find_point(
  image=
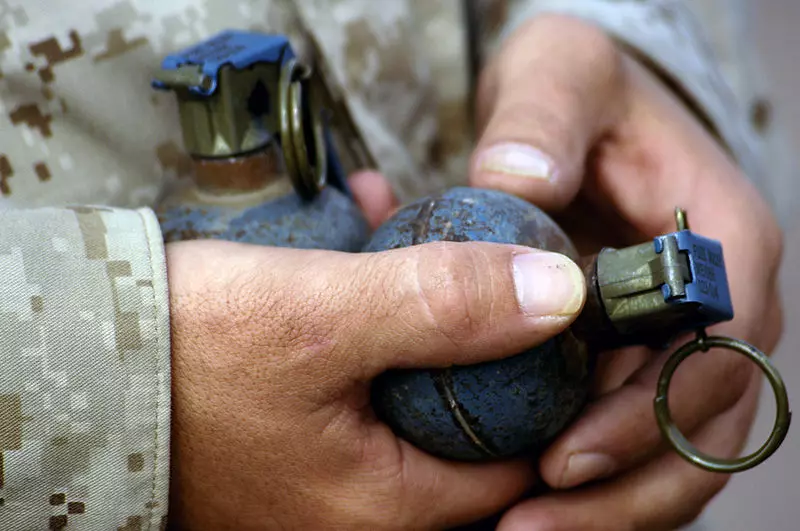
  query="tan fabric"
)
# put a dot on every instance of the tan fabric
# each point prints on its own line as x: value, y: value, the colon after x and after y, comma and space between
x: 84, y: 402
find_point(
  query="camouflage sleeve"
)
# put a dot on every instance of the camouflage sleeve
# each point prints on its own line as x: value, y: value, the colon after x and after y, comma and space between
x: 682, y: 44
x: 85, y: 387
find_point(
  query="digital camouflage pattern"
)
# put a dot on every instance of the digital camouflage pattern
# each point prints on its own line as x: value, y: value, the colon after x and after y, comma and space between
x: 84, y: 337
x: 85, y: 390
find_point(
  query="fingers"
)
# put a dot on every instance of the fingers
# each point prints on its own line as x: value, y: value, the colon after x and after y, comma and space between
x: 620, y: 431
x: 555, y: 88
x: 374, y: 195
x: 357, y: 315
x: 664, y: 495
x: 446, y: 494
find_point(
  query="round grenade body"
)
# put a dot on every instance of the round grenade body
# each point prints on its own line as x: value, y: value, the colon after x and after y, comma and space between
x: 275, y: 216
x: 497, y: 409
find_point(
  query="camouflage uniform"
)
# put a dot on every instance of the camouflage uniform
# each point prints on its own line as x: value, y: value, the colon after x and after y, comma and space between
x: 84, y: 316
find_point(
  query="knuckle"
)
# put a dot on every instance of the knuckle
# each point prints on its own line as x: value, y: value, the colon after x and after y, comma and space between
x: 449, y: 291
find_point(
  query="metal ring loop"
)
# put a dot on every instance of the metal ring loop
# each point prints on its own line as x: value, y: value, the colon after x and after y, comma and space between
x: 308, y: 178
x: 677, y: 440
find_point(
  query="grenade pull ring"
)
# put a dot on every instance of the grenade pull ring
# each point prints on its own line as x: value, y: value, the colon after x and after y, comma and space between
x: 301, y: 130
x: 704, y: 343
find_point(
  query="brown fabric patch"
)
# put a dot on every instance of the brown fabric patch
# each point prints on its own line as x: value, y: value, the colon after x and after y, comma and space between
x: 37, y: 304
x: 116, y: 45
x: 31, y: 116
x: 76, y: 508
x: 58, y: 499
x: 6, y: 172
x: 135, y: 463
x: 127, y: 331
x: 10, y: 422
x: 395, y: 63
x: 42, y: 171
x: 134, y: 524
x: 144, y: 283
x: 51, y: 50
x: 58, y: 522
x: 119, y: 268
x: 93, y: 229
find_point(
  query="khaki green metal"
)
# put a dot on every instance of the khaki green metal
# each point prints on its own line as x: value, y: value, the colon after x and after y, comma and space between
x: 235, y: 119
x: 630, y: 282
x: 679, y: 442
x: 239, y: 118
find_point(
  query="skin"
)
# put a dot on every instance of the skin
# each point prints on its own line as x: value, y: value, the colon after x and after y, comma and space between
x: 273, y: 351
x: 624, y: 152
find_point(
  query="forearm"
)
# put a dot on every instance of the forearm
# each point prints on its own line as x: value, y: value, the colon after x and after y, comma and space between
x: 85, y: 388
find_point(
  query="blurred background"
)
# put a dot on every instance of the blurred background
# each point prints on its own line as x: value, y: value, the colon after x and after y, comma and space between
x: 768, y: 497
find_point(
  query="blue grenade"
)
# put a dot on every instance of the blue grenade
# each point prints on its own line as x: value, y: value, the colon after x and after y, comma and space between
x: 647, y: 294
x: 265, y: 166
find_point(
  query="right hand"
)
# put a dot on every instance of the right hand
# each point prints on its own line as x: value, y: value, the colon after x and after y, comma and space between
x: 273, y: 352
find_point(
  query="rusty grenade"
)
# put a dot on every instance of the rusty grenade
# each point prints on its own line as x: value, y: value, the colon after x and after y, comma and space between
x: 265, y: 168
x: 267, y: 171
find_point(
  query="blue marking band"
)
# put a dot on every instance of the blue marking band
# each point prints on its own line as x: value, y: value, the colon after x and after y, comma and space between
x: 709, y: 287
x: 238, y: 48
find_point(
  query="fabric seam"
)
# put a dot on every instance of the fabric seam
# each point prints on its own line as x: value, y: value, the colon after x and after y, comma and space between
x: 159, y: 375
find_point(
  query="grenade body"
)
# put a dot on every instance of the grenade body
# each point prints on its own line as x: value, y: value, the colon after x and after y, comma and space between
x: 275, y: 216
x: 497, y: 409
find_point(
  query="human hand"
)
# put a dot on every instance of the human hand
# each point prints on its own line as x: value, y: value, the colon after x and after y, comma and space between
x: 579, y: 127
x: 273, y: 353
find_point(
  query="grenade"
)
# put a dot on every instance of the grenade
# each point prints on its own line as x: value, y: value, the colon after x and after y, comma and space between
x: 647, y: 294
x: 265, y: 167
x: 267, y: 171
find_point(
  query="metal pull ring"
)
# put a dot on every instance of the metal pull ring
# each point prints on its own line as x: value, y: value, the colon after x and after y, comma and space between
x: 306, y: 164
x: 677, y: 440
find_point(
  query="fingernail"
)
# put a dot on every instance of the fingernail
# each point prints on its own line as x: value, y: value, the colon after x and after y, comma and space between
x: 548, y: 284
x: 516, y: 159
x: 585, y: 467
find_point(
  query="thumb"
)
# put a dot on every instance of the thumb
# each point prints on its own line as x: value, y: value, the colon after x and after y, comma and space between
x: 554, y: 88
x: 431, y: 305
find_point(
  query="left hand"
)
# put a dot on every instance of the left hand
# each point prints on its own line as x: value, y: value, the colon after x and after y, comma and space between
x: 572, y: 123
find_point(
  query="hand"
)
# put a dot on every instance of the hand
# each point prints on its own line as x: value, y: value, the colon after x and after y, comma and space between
x: 273, y: 353
x: 577, y: 126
